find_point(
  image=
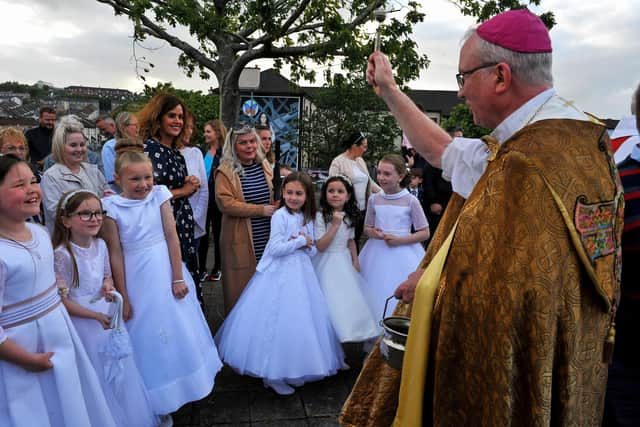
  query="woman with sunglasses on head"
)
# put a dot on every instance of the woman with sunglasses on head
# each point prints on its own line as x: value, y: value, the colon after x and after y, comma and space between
x: 352, y: 165
x: 71, y: 171
x: 244, y: 194
x: 161, y: 128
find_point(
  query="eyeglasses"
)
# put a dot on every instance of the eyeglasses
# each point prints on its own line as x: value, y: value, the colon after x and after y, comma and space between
x: 88, y: 215
x: 462, y: 74
x: 11, y: 148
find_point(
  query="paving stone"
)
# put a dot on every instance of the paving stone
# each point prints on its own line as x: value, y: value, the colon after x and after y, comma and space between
x: 265, y: 405
x: 231, y: 407
x: 184, y: 416
x: 324, y: 398
x: 282, y: 423
x: 228, y: 380
x: 323, y: 422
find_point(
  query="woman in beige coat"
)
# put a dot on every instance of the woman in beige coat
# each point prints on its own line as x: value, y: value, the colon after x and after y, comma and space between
x: 244, y: 194
x: 351, y: 165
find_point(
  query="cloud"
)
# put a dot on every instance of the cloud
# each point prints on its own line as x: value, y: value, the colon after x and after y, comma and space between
x: 81, y: 42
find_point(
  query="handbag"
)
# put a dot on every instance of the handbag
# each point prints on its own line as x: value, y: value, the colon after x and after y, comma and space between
x: 117, y: 346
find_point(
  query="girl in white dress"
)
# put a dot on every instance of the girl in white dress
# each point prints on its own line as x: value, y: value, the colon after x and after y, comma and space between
x: 46, y: 377
x: 280, y: 330
x: 336, y: 263
x: 392, y: 251
x: 172, y: 344
x: 83, y: 274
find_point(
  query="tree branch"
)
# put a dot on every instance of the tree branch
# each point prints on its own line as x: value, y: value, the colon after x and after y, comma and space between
x: 304, y: 28
x: 294, y: 16
x: 156, y: 30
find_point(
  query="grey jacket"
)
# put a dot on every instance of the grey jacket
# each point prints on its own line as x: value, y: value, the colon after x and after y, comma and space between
x: 59, y: 179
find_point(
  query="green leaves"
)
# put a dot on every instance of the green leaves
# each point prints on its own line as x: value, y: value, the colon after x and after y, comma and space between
x: 345, y: 105
x: 461, y: 117
x: 485, y: 9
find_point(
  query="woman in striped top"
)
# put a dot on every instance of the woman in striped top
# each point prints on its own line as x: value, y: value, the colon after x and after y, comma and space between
x: 244, y: 194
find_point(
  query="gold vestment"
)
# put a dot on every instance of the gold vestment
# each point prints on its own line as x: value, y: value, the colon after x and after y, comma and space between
x: 519, y: 327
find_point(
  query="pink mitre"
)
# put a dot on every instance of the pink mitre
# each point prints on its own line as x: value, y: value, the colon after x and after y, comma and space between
x: 517, y: 30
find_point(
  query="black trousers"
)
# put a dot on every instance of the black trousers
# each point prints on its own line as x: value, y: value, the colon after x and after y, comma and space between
x: 212, y: 225
x: 359, y: 229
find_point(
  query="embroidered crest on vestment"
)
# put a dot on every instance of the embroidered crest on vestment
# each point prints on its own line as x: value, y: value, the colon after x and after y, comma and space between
x: 595, y: 223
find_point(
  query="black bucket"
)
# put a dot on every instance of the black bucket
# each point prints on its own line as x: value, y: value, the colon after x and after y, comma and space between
x: 394, y: 338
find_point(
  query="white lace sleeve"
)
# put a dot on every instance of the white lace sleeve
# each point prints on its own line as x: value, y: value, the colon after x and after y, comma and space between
x: 63, y: 268
x: 105, y: 254
x: 418, y: 217
x: 370, y: 217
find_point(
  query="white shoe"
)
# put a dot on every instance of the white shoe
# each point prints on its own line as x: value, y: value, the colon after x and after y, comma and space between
x: 166, y: 421
x: 279, y: 387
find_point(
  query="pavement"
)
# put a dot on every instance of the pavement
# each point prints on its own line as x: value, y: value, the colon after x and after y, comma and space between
x: 239, y: 400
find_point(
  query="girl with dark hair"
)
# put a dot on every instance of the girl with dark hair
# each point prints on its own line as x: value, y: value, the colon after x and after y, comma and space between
x: 392, y: 251
x: 352, y: 165
x: 336, y: 263
x: 45, y: 373
x: 280, y: 330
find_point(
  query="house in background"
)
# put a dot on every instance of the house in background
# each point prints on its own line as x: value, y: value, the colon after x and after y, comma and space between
x: 281, y: 103
x: 437, y: 104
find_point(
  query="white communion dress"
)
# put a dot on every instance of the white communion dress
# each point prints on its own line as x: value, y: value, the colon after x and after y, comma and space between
x: 32, y: 316
x: 172, y: 344
x: 384, y: 267
x: 342, y: 286
x: 126, y: 394
x: 280, y: 329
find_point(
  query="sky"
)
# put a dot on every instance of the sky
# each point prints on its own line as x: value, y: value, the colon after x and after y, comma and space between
x: 596, y: 43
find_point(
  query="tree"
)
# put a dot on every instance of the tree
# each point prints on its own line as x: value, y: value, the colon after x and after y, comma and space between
x: 343, y: 106
x: 485, y: 9
x: 226, y: 35
x: 461, y: 117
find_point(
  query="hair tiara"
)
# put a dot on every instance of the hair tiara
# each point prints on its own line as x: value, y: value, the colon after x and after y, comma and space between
x: 344, y: 177
x: 68, y: 197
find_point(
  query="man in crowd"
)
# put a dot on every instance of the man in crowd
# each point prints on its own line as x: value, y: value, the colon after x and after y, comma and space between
x: 39, y: 138
x: 516, y: 323
x: 107, y: 127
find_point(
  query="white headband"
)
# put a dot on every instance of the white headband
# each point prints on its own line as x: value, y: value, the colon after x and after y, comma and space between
x: 66, y: 199
x: 346, y: 178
